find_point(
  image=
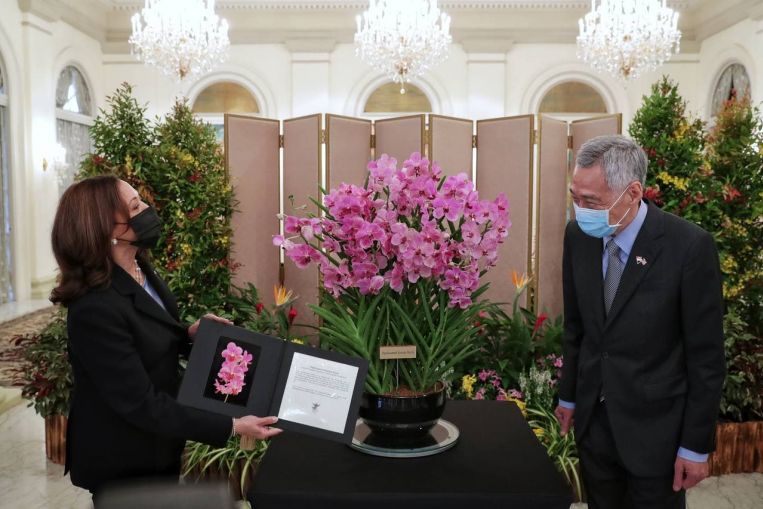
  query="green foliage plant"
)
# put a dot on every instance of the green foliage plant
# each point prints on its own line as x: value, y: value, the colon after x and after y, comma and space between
x: 561, y: 449
x: 511, y: 342
x: 735, y: 154
x: 44, y: 371
x: 177, y: 166
x: 742, y: 397
x: 674, y: 142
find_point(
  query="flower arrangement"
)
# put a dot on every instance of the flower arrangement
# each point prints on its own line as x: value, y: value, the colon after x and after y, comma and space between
x: 511, y: 342
x: 401, y: 259
x: 230, y: 378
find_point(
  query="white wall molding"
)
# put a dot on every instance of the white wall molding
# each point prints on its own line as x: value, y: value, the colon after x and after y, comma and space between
x: 254, y: 83
x: 613, y: 94
x: 732, y: 54
x: 367, y: 85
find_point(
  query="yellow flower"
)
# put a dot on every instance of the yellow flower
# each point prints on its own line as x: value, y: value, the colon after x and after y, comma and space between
x: 298, y: 341
x: 187, y: 249
x: 681, y: 131
x: 520, y: 282
x: 467, y: 385
x: 281, y: 295
x: 521, y: 404
x: 728, y: 264
x: 539, y: 432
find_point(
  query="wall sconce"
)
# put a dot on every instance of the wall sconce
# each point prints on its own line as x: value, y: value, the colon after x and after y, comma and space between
x: 56, y: 157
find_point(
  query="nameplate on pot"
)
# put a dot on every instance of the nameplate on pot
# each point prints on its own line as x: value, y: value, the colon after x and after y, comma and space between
x: 397, y: 352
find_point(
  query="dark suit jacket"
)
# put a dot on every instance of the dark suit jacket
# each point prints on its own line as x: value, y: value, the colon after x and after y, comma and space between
x: 658, y: 355
x: 124, y: 421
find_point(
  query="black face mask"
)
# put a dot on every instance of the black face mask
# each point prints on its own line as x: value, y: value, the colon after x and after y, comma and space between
x: 147, y: 227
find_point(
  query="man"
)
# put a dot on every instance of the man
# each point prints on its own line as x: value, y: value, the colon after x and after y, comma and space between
x: 643, y: 336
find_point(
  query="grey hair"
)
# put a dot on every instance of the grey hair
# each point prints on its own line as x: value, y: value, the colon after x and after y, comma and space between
x: 622, y: 160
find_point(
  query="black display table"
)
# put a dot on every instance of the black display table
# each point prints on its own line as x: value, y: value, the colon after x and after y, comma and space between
x: 497, y: 463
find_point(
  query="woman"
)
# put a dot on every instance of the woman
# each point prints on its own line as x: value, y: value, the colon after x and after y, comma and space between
x: 124, y: 343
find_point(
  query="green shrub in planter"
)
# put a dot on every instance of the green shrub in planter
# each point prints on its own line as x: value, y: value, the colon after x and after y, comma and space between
x: 44, y: 370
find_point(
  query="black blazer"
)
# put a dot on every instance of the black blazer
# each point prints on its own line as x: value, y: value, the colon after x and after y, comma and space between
x: 124, y: 421
x: 658, y: 355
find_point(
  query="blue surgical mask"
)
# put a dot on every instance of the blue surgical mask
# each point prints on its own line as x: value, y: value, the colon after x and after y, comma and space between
x: 595, y: 222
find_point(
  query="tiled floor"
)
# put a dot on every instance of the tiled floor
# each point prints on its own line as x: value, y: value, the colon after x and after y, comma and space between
x: 29, y: 481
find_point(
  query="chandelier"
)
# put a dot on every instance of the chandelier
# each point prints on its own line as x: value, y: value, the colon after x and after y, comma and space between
x: 183, y: 38
x: 626, y: 37
x: 403, y: 38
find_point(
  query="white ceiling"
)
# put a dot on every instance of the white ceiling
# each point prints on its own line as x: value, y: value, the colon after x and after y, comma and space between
x: 304, y: 25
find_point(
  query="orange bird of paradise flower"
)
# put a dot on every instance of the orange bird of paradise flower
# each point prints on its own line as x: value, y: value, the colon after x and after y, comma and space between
x: 281, y: 295
x: 519, y: 281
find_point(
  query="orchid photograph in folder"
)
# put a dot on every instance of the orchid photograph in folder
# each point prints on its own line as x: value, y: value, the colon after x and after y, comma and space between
x: 231, y: 374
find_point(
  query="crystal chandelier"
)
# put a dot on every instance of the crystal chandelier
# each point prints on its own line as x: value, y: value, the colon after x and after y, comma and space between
x: 183, y: 38
x: 626, y: 37
x: 403, y: 38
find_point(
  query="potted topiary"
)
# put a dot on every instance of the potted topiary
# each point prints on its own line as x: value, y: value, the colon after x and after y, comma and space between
x: 46, y: 379
x: 401, y: 260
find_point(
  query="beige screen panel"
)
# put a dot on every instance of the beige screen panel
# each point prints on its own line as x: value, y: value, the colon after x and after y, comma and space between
x: 399, y: 137
x: 451, y: 144
x: 583, y: 130
x: 348, y: 150
x: 252, y: 162
x: 505, y: 165
x: 552, y: 214
x: 301, y: 181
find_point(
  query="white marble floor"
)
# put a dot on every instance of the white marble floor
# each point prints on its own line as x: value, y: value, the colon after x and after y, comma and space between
x: 13, y: 310
x: 29, y: 481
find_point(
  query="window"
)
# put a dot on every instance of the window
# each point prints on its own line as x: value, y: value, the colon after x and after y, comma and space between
x: 572, y: 100
x: 734, y: 82
x: 220, y: 98
x: 73, y: 120
x: 388, y: 99
x: 6, y: 288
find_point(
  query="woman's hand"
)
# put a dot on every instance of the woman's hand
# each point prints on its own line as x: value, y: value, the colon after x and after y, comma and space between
x: 193, y: 329
x: 257, y: 427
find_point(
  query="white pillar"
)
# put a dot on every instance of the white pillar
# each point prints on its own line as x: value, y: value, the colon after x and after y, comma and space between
x: 310, y: 76
x: 486, y: 85
x: 40, y: 127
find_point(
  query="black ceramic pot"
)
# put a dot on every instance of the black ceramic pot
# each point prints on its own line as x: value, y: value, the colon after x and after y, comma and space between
x: 402, y: 416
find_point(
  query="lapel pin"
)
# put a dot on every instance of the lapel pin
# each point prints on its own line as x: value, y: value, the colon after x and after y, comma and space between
x: 641, y: 260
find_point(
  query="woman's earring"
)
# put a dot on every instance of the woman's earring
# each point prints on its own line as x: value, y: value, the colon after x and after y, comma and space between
x: 113, y: 242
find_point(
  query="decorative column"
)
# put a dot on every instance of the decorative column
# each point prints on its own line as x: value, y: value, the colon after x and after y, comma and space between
x: 310, y: 75
x: 40, y: 133
x: 486, y: 77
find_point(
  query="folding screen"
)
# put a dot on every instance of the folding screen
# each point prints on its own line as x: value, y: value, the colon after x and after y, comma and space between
x: 399, y: 137
x: 251, y: 157
x: 551, y: 200
x: 348, y: 150
x: 301, y: 181
x: 583, y: 130
x: 504, y: 155
x: 450, y: 144
x: 505, y: 165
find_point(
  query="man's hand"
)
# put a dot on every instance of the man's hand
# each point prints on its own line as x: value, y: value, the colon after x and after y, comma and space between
x: 195, y: 327
x: 688, y: 473
x: 565, y: 417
